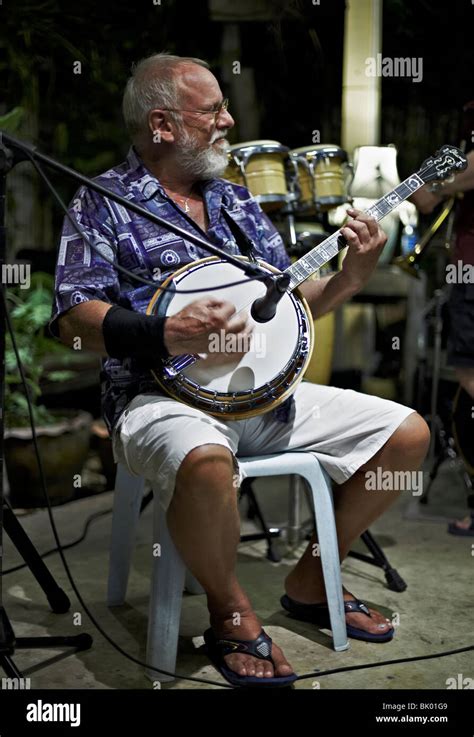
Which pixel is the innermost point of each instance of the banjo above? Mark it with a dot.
(279, 350)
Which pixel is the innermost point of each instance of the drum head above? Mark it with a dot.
(320, 151)
(258, 147)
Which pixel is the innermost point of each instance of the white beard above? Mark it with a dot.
(198, 162)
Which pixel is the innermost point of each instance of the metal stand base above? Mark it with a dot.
(9, 643)
(378, 558)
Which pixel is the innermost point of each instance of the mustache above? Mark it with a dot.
(218, 137)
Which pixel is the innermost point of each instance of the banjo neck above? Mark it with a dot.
(325, 251)
(321, 254)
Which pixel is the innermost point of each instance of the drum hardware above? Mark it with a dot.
(441, 437)
(241, 389)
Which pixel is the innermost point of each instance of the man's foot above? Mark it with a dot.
(241, 663)
(375, 624)
(462, 527)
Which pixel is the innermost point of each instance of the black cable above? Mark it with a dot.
(72, 544)
(55, 532)
(117, 266)
(343, 669)
(60, 548)
(386, 662)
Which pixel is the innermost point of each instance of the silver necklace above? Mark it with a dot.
(186, 207)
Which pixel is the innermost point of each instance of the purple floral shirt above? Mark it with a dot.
(148, 250)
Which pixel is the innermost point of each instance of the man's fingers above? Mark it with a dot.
(349, 235)
(223, 312)
(236, 324)
(362, 217)
(360, 229)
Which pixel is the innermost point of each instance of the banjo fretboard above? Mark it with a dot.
(325, 251)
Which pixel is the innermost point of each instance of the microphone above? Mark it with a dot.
(264, 308)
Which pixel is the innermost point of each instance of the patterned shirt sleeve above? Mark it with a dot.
(81, 273)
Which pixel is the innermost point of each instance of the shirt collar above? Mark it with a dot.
(140, 179)
(147, 185)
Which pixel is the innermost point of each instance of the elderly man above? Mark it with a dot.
(178, 122)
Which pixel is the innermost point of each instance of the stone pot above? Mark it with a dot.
(63, 448)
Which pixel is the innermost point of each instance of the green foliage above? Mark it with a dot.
(11, 121)
(30, 311)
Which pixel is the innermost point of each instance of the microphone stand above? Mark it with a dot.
(56, 596)
(24, 152)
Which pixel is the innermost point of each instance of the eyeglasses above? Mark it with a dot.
(223, 106)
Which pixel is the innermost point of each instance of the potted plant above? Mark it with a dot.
(63, 436)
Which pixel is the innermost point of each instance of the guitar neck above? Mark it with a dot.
(325, 251)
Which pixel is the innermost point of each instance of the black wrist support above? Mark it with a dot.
(129, 334)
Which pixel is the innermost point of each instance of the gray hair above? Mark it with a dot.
(152, 84)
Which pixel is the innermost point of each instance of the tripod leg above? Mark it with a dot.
(78, 642)
(433, 473)
(9, 643)
(257, 512)
(271, 554)
(57, 598)
(9, 667)
(394, 581)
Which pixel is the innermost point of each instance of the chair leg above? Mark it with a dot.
(294, 512)
(127, 500)
(166, 594)
(320, 484)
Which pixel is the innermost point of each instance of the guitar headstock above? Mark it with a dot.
(446, 162)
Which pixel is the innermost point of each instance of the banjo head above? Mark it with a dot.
(277, 351)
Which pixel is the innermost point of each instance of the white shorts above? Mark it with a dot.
(343, 429)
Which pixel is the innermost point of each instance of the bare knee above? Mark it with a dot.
(206, 464)
(411, 439)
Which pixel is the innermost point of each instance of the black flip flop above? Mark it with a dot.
(260, 648)
(319, 614)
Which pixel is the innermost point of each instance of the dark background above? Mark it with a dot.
(296, 56)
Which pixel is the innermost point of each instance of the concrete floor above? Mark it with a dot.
(435, 613)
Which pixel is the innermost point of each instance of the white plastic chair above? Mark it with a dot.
(169, 576)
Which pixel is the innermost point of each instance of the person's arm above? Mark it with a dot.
(136, 334)
(84, 321)
(426, 200)
(365, 241)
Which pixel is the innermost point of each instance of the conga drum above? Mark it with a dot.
(320, 176)
(261, 167)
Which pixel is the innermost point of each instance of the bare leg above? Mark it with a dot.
(204, 522)
(356, 508)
